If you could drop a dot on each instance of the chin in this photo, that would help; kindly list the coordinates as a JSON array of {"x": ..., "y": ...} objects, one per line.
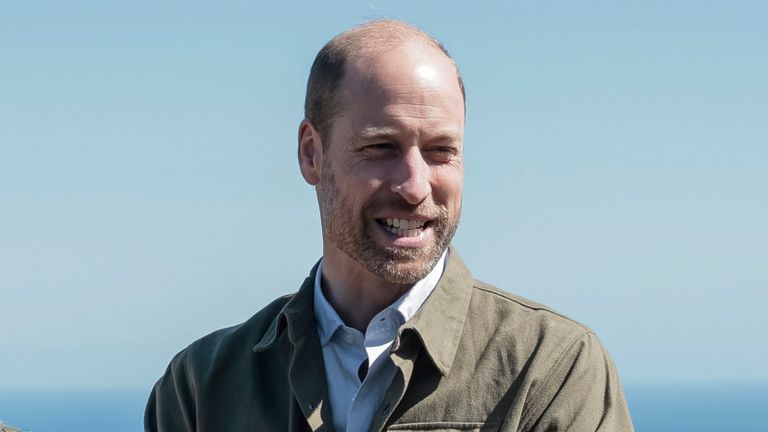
[{"x": 399, "y": 272}]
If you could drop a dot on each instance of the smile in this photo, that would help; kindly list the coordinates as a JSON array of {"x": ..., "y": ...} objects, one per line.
[{"x": 403, "y": 227}]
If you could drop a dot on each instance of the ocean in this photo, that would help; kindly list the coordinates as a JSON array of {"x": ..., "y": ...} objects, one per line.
[{"x": 690, "y": 408}]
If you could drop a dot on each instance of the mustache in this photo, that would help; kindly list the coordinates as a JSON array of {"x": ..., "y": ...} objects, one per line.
[{"x": 426, "y": 208}]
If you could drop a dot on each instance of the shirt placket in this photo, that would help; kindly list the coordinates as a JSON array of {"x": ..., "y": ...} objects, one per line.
[{"x": 378, "y": 340}]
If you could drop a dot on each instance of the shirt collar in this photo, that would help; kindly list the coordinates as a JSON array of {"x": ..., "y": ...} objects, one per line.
[
  {"x": 328, "y": 320},
  {"x": 410, "y": 302}
]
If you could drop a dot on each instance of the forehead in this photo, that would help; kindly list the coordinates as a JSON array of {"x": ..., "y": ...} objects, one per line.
[{"x": 412, "y": 80}]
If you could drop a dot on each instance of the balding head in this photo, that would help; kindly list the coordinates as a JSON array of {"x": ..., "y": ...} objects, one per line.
[{"x": 323, "y": 100}]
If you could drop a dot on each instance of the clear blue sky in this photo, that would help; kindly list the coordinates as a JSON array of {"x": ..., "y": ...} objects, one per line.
[{"x": 616, "y": 169}]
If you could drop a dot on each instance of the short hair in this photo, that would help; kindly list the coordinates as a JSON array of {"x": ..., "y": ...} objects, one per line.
[{"x": 323, "y": 101}]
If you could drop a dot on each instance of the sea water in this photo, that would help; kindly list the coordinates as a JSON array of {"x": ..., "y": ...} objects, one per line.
[
  {"x": 673, "y": 408},
  {"x": 76, "y": 410},
  {"x": 699, "y": 408}
]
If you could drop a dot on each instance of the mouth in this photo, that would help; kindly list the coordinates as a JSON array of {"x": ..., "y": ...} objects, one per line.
[{"x": 404, "y": 227}]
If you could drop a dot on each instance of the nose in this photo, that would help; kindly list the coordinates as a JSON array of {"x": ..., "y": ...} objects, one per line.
[{"x": 411, "y": 177}]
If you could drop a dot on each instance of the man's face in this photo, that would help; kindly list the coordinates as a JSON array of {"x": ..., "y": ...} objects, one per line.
[{"x": 390, "y": 188}]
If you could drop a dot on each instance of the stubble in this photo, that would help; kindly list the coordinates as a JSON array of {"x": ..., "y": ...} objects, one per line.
[{"x": 352, "y": 232}]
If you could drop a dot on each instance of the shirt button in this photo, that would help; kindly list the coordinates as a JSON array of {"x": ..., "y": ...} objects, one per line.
[{"x": 348, "y": 338}]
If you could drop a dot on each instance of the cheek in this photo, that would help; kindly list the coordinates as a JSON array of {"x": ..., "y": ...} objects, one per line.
[
  {"x": 447, "y": 185},
  {"x": 359, "y": 191},
  {"x": 367, "y": 182}
]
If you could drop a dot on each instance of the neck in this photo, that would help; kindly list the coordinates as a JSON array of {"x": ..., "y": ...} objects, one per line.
[{"x": 356, "y": 294}]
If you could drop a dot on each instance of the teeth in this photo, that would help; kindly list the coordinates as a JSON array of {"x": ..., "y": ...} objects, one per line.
[
  {"x": 404, "y": 227},
  {"x": 404, "y": 223},
  {"x": 400, "y": 232}
]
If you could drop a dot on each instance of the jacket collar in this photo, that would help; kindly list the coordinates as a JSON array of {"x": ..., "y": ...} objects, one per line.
[
  {"x": 297, "y": 315},
  {"x": 306, "y": 371},
  {"x": 438, "y": 324},
  {"x": 440, "y": 321}
]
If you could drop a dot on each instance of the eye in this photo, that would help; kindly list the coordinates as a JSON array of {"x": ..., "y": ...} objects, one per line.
[
  {"x": 383, "y": 148},
  {"x": 442, "y": 153}
]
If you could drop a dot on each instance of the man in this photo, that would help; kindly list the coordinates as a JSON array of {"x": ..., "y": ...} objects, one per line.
[{"x": 390, "y": 331}]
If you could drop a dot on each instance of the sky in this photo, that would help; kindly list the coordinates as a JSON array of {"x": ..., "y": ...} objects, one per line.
[{"x": 616, "y": 164}]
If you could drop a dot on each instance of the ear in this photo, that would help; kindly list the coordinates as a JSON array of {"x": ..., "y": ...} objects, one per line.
[{"x": 310, "y": 153}]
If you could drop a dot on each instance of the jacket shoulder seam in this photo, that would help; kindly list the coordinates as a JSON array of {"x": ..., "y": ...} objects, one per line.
[{"x": 527, "y": 304}]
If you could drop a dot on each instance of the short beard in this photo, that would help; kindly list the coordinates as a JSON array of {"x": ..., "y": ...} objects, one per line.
[{"x": 397, "y": 265}]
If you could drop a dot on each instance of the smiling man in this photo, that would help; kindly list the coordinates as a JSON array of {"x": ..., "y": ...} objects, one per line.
[{"x": 390, "y": 330}]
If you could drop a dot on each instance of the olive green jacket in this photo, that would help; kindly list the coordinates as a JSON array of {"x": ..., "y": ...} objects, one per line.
[{"x": 473, "y": 358}]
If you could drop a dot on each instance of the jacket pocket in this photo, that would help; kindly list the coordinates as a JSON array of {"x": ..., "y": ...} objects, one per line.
[{"x": 446, "y": 427}]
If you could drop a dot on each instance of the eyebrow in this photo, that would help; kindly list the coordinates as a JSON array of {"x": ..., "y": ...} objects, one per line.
[{"x": 374, "y": 132}]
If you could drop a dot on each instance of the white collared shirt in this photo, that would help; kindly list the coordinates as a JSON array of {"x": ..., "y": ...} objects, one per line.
[{"x": 353, "y": 403}]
